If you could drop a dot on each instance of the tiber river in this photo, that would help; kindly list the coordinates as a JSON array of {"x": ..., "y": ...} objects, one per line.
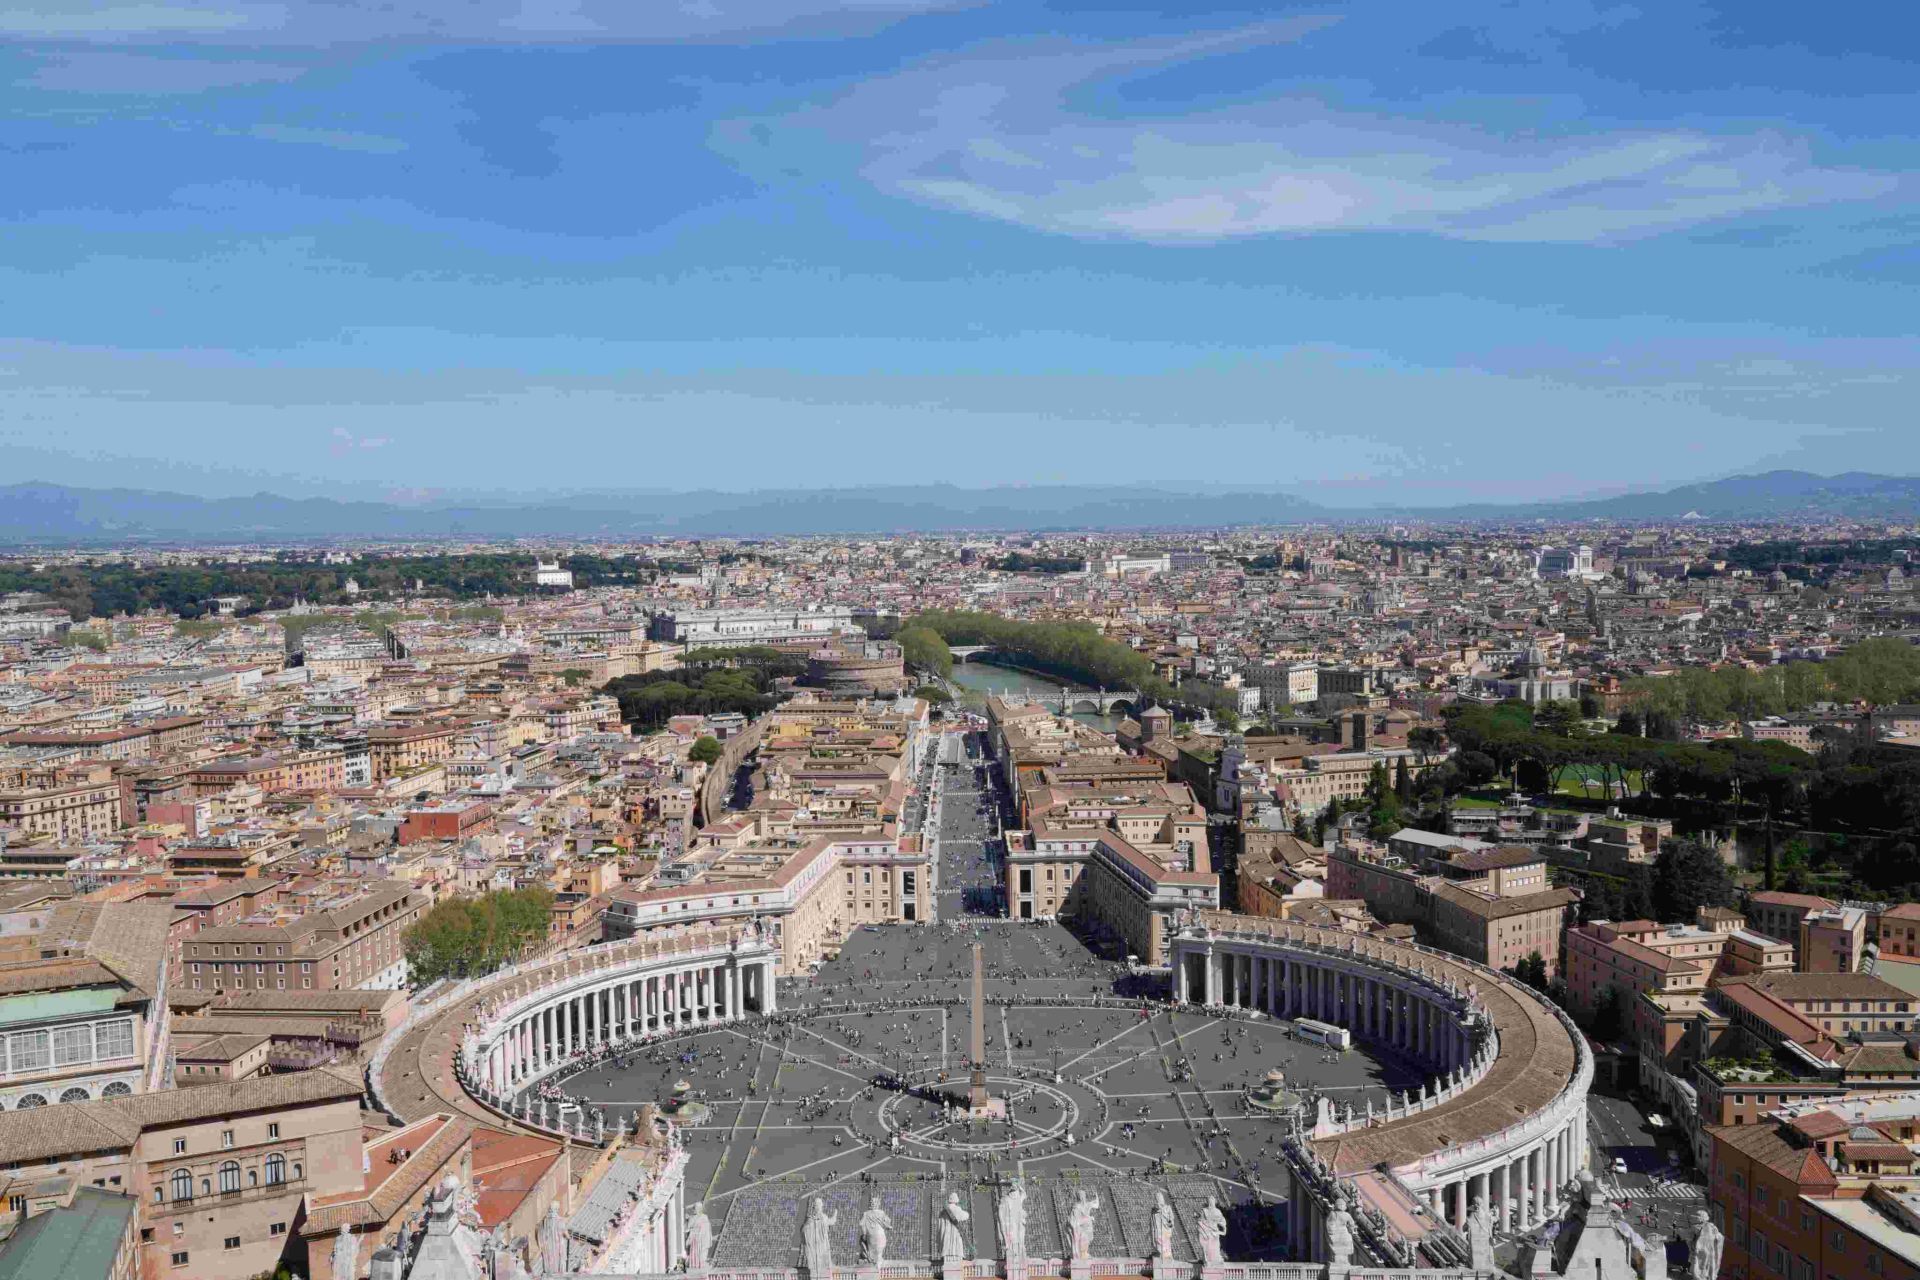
[{"x": 976, "y": 679}]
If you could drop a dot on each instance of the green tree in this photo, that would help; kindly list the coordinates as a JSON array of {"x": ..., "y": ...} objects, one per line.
[
  {"x": 1687, "y": 876},
  {"x": 1427, "y": 741},
  {"x": 466, "y": 937},
  {"x": 1558, "y": 719},
  {"x": 933, "y": 694},
  {"x": 1532, "y": 970},
  {"x": 1613, "y": 1016},
  {"x": 925, "y": 650},
  {"x": 705, "y": 749},
  {"x": 87, "y": 640}
]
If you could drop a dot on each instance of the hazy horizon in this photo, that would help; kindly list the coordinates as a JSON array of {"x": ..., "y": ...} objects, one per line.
[{"x": 1399, "y": 253}]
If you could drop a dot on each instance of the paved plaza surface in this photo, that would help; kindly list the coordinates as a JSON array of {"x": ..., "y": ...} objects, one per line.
[{"x": 1150, "y": 1095}]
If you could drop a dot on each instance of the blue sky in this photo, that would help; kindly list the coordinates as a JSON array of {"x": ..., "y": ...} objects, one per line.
[{"x": 1408, "y": 252}]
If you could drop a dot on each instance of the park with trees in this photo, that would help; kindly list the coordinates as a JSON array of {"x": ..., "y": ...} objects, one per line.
[
  {"x": 467, "y": 937},
  {"x": 708, "y": 682}
]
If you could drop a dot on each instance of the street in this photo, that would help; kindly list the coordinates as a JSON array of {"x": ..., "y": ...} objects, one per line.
[
  {"x": 1660, "y": 1186},
  {"x": 967, "y": 817}
]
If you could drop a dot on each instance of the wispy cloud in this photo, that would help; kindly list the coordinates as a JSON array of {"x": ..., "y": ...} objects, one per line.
[
  {"x": 320, "y": 24},
  {"x": 1002, "y": 132},
  {"x": 332, "y": 139},
  {"x": 105, "y": 71},
  {"x": 344, "y": 442}
]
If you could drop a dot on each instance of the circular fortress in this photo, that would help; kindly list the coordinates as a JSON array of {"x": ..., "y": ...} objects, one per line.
[{"x": 858, "y": 670}]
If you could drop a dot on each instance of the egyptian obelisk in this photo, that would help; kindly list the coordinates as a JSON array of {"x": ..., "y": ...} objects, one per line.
[{"x": 977, "y": 1101}]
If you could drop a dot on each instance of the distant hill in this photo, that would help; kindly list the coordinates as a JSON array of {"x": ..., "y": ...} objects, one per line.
[
  {"x": 60, "y": 513},
  {"x": 49, "y": 513},
  {"x": 1767, "y": 496}
]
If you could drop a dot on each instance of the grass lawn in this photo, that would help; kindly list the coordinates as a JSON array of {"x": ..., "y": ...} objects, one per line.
[{"x": 1573, "y": 778}]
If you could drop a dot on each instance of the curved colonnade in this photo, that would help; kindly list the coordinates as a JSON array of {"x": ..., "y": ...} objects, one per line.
[
  {"x": 1501, "y": 1126},
  {"x": 475, "y": 1049}
]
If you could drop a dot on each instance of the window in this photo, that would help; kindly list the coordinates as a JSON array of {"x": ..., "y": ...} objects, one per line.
[
  {"x": 182, "y": 1185},
  {"x": 179, "y": 1146},
  {"x": 273, "y": 1129},
  {"x": 231, "y": 1242},
  {"x": 277, "y": 1229},
  {"x": 276, "y": 1169},
  {"x": 30, "y": 1052},
  {"x": 226, "y": 1139},
  {"x": 180, "y": 1258}
]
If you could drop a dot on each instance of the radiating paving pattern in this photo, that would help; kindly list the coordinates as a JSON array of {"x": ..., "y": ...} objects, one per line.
[{"x": 1150, "y": 1096}]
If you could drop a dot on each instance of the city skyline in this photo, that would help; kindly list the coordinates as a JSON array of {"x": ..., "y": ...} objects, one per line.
[{"x": 1370, "y": 257}]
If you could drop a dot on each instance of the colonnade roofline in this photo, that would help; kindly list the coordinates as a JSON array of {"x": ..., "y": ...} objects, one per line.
[
  {"x": 607, "y": 962},
  {"x": 1539, "y": 1076},
  {"x": 462, "y": 1033}
]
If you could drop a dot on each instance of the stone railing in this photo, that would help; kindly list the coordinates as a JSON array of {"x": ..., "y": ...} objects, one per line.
[{"x": 991, "y": 1269}]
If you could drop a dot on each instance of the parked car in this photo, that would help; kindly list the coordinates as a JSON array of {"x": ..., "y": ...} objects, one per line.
[{"x": 1619, "y": 1164}]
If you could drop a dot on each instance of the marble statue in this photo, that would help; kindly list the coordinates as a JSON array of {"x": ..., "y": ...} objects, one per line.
[
  {"x": 1013, "y": 1222},
  {"x": 1213, "y": 1225},
  {"x": 1080, "y": 1222},
  {"x": 1707, "y": 1245},
  {"x": 953, "y": 1220},
  {"x": 1480, "y": 1235},
  {"x": 873, "y": 1233},
  {"x": 816, "y": 1236},
  {"x": 346, "y": 1254},
  {"x": 1162, "y": 1226},
  {"x": 699, "y": 1237},
  {"x": 552, "y": 1240},
  {"x": 1340, "y": 1238}
]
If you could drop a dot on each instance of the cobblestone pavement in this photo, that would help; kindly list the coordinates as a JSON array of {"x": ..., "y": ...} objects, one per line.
[{"x": 1149, "y": 1094}]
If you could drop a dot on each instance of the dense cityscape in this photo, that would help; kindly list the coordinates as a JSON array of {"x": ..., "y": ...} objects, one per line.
[{"x": 1439, "y": 899}]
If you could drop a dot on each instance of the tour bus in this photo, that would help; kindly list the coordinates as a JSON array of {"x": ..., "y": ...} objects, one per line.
[{"x": 1322, "y": 1033}]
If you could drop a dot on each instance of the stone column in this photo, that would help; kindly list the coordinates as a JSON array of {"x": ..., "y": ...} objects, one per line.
[
  {"x": 1536, "y": 1173},
  {"x": 1213, "y": 977},
  {"x": 1550, "y": 1156}
]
